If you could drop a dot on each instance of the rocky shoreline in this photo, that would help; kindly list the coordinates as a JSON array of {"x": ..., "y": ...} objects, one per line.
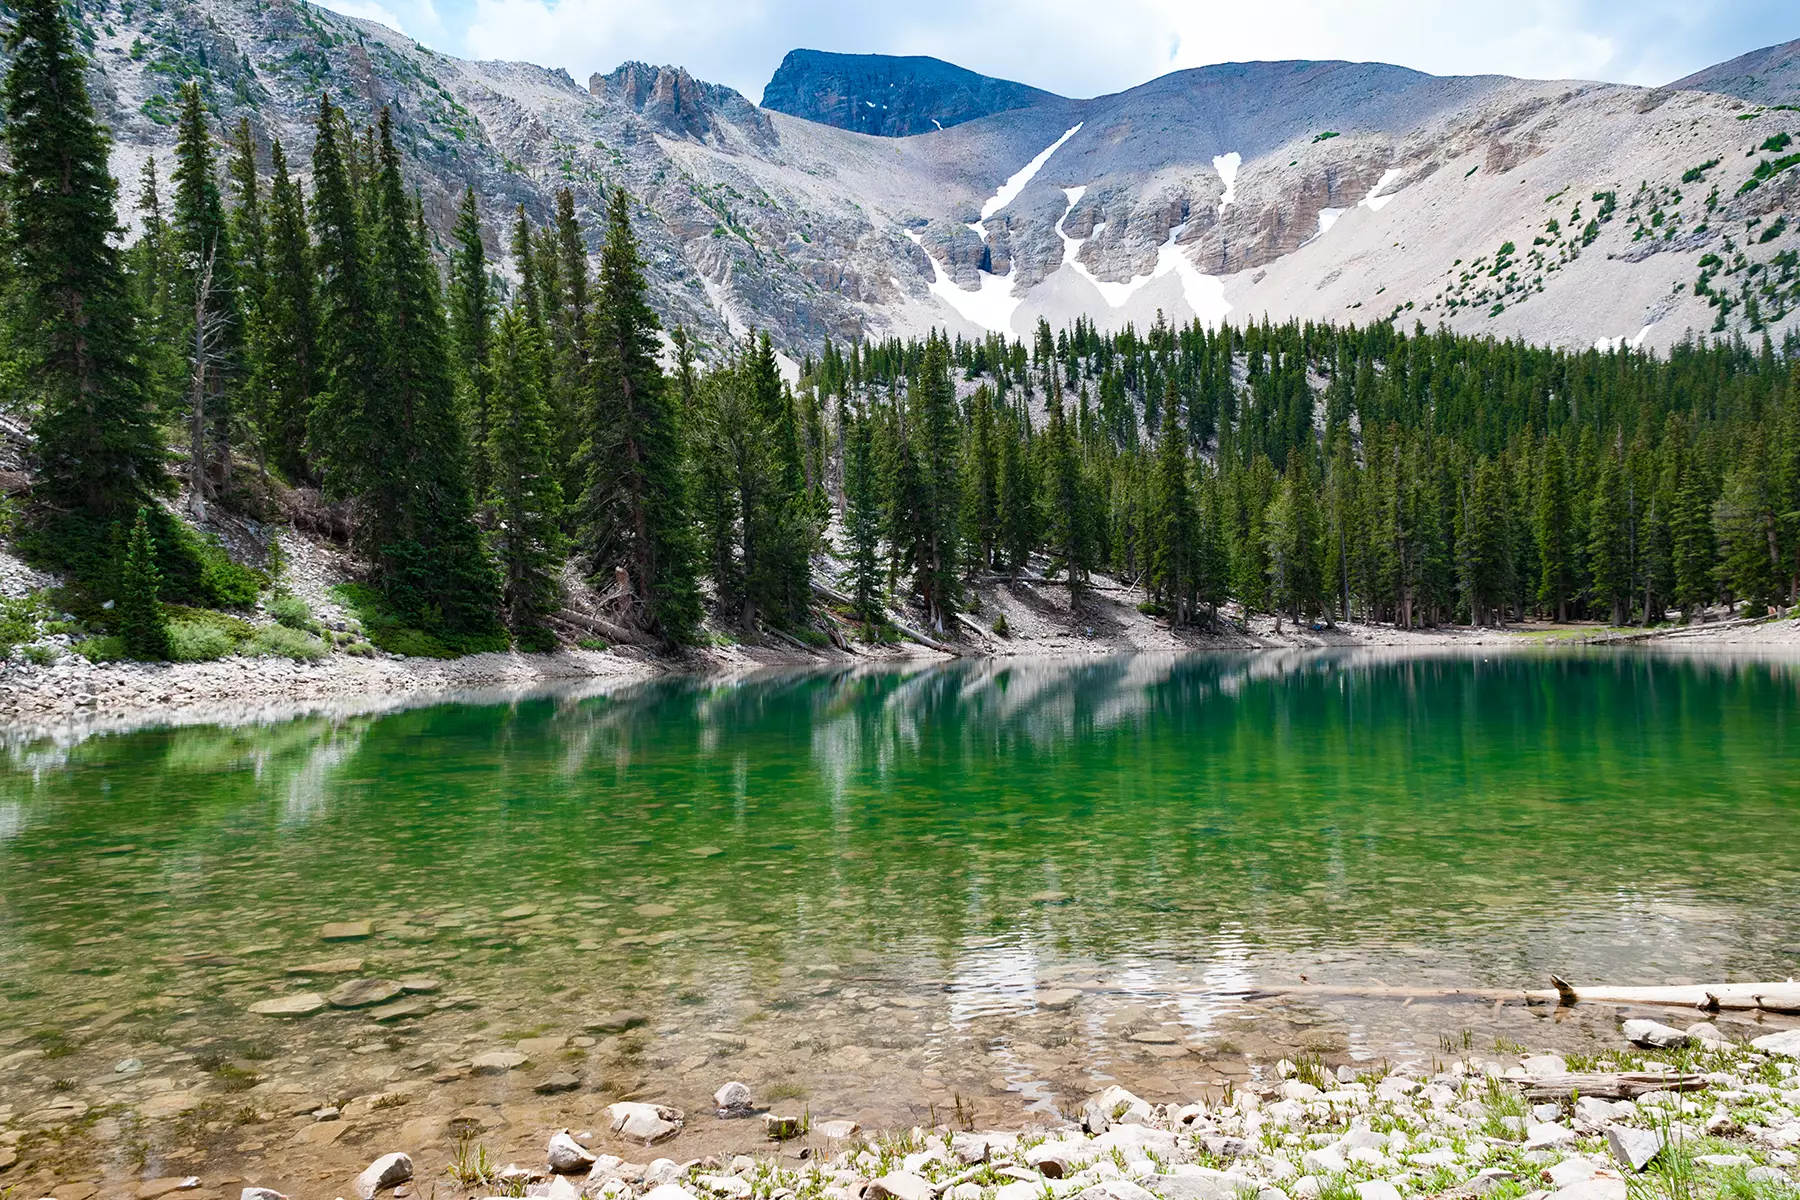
[{"x": 1675, "y": 1114}]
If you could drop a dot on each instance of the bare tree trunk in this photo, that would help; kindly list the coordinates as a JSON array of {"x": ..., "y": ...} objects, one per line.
[{"x": 198, "y": 483}]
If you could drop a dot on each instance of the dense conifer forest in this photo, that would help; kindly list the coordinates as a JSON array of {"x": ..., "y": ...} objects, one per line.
[{"x": 482, "y": 430}]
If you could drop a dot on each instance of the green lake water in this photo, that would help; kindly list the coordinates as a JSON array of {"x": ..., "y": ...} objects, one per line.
[{"x": 999, "y": 883}]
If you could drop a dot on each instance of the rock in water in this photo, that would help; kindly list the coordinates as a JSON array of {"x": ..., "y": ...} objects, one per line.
[
  {"x": 497, "y": 1062},
  {"x": 1654, "y": 1035},
  {"x": 733, "y": 1099},
  {"x": 260, "y": 1193},
  {"x": 562, "y": 1081},
  {"x": 346, "y": 931},
  {"x": 1786, "y": 1042},
  {"x": 645, "y": 1122},
  {"x": 837, "y": 1130},
  {"x": 1633, "y": 1148},
  {"x": 360, "y": 993},
  {"x": 567, "y": 1156},
  {"x": 388, "y": 1171},
  {"x": 303, "y": 1005}
]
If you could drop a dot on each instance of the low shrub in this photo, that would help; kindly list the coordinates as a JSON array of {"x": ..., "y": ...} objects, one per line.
[
  {"x": 196, "y": 641},
  {"x": 108, "y": 647},
  {"x": 391, "y": 630},
  {"x": 40, "y": 656},
  {"x": 1001, "y": 627},
  {"x": 360, "y": 649},
  {"x": 278, "y": 641},
  {"x": 18, "y": 621},
  {"x": 294, "y": 613},
  {"x": 592, "y": 643},
  {"x": 535, "y": 640}
]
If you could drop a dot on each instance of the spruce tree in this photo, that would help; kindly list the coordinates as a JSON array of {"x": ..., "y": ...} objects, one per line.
[
  {"x": 348, "y": 431},
  {"x": 471, "y": 330},
  {"x": 778, "y": 515},
  {"x": 287, "y": 359},
  {"x": 862, "y": 519},
  {"x": 932, "y": 418},
  {"x": 526, "y": 497},
  {"x": 141, "y": 622},
  {"x": 1607, "y": 541},
  {"x": 209, "y": 298},
  {"x": 1173, "y": 533},
  {"x": 427, "y": 547},
  {"x": 73, "y": 323},
  {"x": 635, "y": 508},
  {"x": 152, "y": 263},
  {"x": 1551, "y": 525},
  {"x": 1017, "y": 536}
]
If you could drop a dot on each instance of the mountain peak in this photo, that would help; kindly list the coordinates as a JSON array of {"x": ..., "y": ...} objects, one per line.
[
  {"x": 889, "y": 95},
  {"x": 1770, "y": 75}
]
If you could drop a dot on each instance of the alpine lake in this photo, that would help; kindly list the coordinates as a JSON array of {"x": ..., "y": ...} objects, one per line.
[{"x": 984, "y": 888}]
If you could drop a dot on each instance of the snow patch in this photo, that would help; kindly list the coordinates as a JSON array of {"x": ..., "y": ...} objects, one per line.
[
  {"x": 980, "y": 231},
  {"x": 1205, "y": 294},
  {"x": 1009, "y": 191},
  {"x": 1227, "y": 166},
  {"x": 991, "y": 306},
  {"x": 735, "y": 326},
  {"x": 1375, "y": 200},
  {"x": 1607, "y": 345},
  {"x": 1328, "y": 217}
]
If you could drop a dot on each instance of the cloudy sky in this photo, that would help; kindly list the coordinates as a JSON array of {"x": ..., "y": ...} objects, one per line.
[{"x": 1082, "y": 48}]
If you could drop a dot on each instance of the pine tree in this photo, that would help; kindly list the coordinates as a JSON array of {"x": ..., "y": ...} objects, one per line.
[
  {"x": 776, "y": 511},
  {"x": 1296, "y": 555},
  {"x": 983, "y": 517},
  {"x": 1066, "y": 502},
  {"x": 1550, "y": 524},
  {"x": 142, "y": 624},
  {"x": 249, "y": 238},
  {"x": 1483, "y": 546},
  {"x": 1018, "y": 518},
  {"x": 287, "y": 360},
  {"x": 73, "y": 324},
  {"x": 419, "y": 509},
  {"x": 152, "y": 264},
  {"x": 347, "y": 430},
  {"x": 634, "y": 511},
  {"x": 1608, "y": 550},
  {"x": 862, "y": 520},
  {"x": 1173, "y": 521},
  {"x": 210, "y": 301},
  {"x": 1691, "y": 538},
  {"x": 471, "y": 330},
  {"x": 526, "y": 497},
  {"x": 1744, "y": 521},
  {"x": 932, "y": 419}
]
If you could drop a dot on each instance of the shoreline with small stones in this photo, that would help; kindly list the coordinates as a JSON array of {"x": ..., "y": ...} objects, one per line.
[{"x": 1673, "y": 1114}]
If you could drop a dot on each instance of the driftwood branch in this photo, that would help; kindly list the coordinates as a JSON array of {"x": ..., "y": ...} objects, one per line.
[
  {"x": 1709, "y": 997},
  {"x": 1776, "y": 997},
  {"x": 1624, "y": 1085}
]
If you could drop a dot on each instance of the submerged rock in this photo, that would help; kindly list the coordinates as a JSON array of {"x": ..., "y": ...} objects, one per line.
[
  {"x": 346, "y": 931},
  {"x": 302, "y": 1005},
  {"x": 361, "y": 993}
]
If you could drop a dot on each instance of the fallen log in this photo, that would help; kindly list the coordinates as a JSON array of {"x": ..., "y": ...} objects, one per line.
[
  {"x": 1775, "y": 997},
  {"x": 610, "y": 630},
  {"x": 1612, "y": 1085}
]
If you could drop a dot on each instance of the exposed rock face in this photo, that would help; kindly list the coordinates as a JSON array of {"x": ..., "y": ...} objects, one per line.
[
  {"x": 1767, "y": 76},
  {"x": 889, "y": 96},
  {"x": 679, "y": 104},
  {"x": 1230, "y": 191}
]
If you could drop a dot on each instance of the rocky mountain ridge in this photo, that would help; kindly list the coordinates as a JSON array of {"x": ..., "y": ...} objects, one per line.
[
  {"x": 889, "y": 96},
  {"x": 1562, "y": 212}
]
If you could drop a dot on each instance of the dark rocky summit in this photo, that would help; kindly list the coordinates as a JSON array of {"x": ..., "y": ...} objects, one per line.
[{"x": 889, "y": 96}]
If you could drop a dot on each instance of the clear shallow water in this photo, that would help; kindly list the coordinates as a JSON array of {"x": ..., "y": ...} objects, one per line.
[{"x": 1003, "y": 883}]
